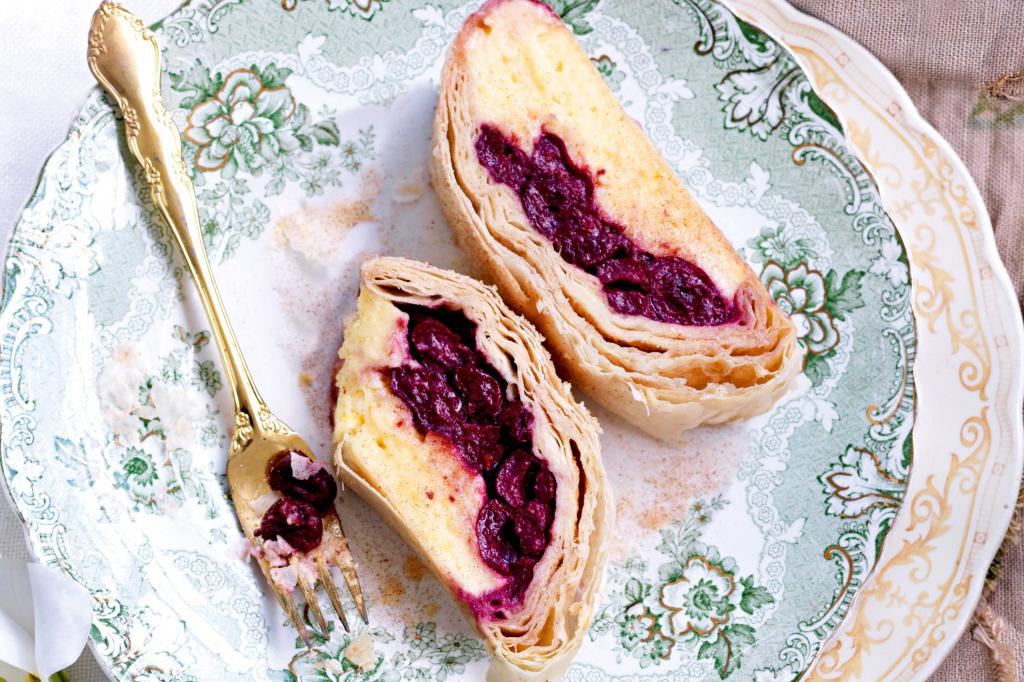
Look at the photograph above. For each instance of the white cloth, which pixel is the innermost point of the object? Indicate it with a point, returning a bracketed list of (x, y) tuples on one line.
[(45, 82), (44, 618)]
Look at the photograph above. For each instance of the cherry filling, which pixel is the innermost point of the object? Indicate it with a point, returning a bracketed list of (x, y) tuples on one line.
[(317, 488), (295, 521), (454, 392), (558, 199), (307, 495)]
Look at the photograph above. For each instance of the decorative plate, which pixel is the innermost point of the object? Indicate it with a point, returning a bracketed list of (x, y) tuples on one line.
[(761, 550)]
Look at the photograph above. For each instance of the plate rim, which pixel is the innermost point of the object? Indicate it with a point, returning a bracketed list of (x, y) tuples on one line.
[(739, 8), (1004, 290)]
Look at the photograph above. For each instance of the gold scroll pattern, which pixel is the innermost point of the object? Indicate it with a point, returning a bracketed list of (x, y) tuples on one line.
[(910, 583), (917, 589), (925, 604)]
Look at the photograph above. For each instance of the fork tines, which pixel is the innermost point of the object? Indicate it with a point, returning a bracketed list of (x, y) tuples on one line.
[(336, 544)]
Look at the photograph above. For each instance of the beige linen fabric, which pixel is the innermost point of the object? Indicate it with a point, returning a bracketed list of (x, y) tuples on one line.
[(962, 61)]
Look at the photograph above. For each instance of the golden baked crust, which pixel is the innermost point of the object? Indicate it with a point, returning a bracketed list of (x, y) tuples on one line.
[(380, 456), (515, 66)]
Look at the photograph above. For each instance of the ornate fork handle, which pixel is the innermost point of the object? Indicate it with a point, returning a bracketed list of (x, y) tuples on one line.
[(125, 58)]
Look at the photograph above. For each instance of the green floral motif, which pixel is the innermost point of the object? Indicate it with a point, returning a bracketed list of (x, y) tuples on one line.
[(767, 82), (364, 9), (801, 293), (250, 120), (780, 245), (74, 461), (177, 369), (892, 263), (227, 217), (749, 105), (574, 13), (635, 626), (109, 618), (245, 127), (139, 468), (814, 302), (156, 422), (63, 259), (697, 600), (861, 481), (152, 486), (702, 596), (607, 67), (428, 656)]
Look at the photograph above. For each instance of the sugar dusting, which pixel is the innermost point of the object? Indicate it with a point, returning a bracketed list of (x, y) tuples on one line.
[(414, 569), (393, 591), (317, 232), (654, 483), (316, 307), (316, 279)]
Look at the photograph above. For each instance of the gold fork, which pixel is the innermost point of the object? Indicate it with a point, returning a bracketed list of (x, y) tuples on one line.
[(125, 58)]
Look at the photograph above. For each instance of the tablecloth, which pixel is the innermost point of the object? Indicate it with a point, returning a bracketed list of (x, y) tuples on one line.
[(961, 61), (44, 85)]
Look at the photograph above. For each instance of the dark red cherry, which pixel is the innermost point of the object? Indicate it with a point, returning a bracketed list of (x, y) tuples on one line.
[(541, 511), (512, 477), (297, 522), (481, 391), (544, 486), (516, 422), (434, 403), (438, 344), (319, 489), (493, 526), (530, 533)]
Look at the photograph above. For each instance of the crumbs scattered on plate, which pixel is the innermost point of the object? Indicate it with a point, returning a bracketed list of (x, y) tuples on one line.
[(317, 232), (409, 188), (359, 652)]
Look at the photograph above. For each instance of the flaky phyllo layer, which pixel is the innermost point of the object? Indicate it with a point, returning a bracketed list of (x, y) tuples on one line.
[(408, 420), (586, 231)]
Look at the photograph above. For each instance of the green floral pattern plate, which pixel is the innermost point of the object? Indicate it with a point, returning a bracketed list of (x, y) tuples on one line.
[(307, 127)]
